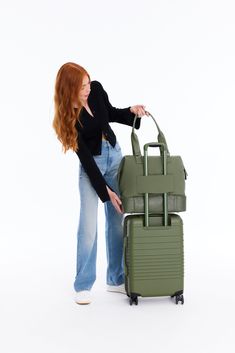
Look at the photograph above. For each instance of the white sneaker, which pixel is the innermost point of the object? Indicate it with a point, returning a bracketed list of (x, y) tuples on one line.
[(83, 297), (117, 289)]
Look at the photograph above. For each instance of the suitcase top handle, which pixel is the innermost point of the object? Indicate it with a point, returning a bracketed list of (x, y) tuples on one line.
[(135, 141)]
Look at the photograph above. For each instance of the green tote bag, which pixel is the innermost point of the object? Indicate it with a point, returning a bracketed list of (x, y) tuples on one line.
[(133, 184)]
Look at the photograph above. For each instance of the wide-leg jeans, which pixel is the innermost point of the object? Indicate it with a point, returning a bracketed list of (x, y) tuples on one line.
[(108, 163)]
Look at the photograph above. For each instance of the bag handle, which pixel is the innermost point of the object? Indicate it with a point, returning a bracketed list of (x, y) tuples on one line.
[(135, 141)]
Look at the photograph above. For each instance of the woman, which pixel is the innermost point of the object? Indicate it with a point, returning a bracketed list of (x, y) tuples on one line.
[(81, 121)]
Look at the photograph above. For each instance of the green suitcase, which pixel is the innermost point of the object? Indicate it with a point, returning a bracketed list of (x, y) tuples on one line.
[(153, 250)]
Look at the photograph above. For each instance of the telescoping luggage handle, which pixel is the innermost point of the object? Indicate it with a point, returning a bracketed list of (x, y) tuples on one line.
[(146, 195), (161, 143), (135, 142)]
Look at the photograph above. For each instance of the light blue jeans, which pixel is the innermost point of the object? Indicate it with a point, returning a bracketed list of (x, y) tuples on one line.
[(108, 163)]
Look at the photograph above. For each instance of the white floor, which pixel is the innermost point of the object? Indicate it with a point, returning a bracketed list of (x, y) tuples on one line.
[(186, 52), (38, 313)]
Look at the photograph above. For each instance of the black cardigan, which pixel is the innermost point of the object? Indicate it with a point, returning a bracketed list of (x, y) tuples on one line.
[(90, 133)]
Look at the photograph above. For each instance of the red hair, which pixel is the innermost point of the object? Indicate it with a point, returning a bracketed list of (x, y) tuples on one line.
[(67, 87)]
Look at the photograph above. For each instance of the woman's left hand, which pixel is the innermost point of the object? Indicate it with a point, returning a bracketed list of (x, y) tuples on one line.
[(139, 110)]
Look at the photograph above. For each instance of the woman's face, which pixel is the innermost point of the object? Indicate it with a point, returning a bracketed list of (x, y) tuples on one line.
[(85, 90)]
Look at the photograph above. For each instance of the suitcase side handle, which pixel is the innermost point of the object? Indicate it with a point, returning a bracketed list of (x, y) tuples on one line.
[(135, 141), (163, 148)]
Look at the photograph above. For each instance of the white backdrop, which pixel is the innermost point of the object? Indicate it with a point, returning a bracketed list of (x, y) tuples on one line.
[(175, 57)]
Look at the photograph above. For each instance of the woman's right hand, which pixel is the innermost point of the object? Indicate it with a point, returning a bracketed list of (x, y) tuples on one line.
[(117, 203)]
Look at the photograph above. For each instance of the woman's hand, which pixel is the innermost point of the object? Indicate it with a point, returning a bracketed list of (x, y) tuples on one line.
[(115, 200), (139, 110)]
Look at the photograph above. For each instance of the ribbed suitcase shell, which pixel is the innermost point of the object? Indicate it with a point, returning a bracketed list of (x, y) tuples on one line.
[(153, 256)]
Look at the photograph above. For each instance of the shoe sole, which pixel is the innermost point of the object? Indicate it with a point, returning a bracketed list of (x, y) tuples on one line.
[(82, 303)]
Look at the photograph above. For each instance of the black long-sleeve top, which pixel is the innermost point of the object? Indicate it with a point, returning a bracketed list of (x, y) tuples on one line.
[(90, 133)]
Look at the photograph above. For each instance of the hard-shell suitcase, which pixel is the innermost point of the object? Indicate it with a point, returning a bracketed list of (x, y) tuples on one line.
[(153, 257), (153, 250)]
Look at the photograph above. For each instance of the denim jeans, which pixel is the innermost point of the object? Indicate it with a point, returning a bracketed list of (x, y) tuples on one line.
[(108, 163)]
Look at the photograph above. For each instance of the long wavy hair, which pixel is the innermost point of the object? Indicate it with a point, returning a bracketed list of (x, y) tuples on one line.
[(67, 87)]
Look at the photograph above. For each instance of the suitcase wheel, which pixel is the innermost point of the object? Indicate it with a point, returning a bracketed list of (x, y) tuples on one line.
[(134, 299), (179, 298)]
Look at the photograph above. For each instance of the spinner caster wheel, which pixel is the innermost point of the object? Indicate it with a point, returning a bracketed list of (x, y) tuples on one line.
[(179, 298), (134, 300)]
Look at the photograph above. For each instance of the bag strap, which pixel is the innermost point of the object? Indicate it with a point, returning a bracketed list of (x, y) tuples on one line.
[(135, 141)]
